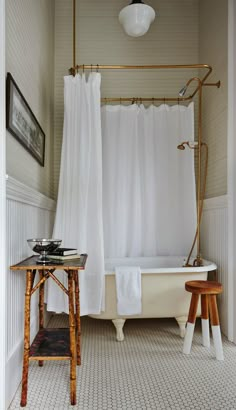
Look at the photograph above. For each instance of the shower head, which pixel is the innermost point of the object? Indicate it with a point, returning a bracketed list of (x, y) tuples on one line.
[(183, 91)]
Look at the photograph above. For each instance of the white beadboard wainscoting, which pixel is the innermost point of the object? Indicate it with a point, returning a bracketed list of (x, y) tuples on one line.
[(214, 246), (29, 214)]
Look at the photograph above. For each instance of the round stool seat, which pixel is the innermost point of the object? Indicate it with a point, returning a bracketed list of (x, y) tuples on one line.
[(204, 287)]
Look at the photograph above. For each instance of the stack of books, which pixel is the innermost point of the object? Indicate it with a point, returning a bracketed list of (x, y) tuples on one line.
[(63, 254)]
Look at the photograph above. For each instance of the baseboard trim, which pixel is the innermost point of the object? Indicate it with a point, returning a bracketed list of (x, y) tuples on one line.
[(14, 362), (14, 365)]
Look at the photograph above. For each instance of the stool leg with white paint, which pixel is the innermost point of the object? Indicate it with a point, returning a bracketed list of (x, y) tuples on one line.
[(215, 327), (190, 324), (205, 321)]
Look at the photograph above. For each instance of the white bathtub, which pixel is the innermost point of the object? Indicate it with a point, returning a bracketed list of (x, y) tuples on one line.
[(163, 291)]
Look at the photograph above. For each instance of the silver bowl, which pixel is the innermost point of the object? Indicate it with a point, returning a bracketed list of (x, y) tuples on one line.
[(44, 247)]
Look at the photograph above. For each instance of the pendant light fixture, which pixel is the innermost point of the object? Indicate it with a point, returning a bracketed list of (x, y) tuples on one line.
[(136, 18)]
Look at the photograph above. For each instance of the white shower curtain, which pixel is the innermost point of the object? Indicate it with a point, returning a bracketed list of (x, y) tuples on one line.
[(149, 200), (79, 206)]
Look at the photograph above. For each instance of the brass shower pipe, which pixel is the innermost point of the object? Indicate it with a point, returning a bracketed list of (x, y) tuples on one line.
[(74, 33), (199, 81), (195, 147), (198, 260)]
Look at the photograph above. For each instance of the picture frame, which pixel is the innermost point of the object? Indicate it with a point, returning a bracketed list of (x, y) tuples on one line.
[(22, 123)]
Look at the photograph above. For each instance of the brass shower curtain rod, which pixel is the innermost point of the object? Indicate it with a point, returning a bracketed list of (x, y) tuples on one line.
[(98, 67), (140, 100)]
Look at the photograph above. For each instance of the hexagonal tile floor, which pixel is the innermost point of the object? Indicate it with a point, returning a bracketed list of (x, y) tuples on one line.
[(145, 371)]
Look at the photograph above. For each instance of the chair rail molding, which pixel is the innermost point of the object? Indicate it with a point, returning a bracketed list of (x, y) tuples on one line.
[(2, 207), (215, 203), (17, 191), (231, 171)]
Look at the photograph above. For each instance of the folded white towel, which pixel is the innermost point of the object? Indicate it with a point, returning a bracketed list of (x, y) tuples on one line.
[(128, 290)]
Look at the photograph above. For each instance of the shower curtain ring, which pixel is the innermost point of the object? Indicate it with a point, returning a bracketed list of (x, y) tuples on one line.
[(83, 68), (97, 68), (77, 69)]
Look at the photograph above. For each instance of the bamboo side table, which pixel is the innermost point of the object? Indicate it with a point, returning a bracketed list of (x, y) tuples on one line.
[(52, 344)]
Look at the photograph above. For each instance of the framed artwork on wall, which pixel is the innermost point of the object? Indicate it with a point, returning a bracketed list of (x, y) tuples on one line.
[(21, 122)]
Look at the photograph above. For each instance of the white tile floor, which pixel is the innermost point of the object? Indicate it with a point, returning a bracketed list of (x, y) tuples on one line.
[(146, 371)]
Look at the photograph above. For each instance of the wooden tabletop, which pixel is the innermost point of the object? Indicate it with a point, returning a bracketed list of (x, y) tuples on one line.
[(31, 263)]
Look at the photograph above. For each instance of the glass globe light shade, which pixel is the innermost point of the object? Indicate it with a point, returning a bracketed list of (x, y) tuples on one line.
[(136, 18)]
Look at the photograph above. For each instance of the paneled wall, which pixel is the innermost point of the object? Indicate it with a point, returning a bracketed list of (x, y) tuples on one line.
[(30, 60), (214, 242), (213, 46), (30, 211), (29, 214), (172, 39)]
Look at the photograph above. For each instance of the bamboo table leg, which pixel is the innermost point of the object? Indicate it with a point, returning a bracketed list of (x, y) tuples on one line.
[(41, 308), (29, 284), (72, 338), (77, 307)]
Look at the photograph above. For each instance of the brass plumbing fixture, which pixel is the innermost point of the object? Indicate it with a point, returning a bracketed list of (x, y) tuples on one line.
[(190, 144), (182, 92), (194, 145)]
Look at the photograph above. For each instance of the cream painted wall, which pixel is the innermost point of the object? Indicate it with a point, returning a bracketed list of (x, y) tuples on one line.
[(213, 46), (30, 60), (172, 39)]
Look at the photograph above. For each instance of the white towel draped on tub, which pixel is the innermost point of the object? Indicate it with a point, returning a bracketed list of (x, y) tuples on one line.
[(128, 290)]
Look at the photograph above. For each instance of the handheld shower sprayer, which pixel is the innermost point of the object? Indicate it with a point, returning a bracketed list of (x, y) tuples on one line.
[(181, 146), (190, 144)]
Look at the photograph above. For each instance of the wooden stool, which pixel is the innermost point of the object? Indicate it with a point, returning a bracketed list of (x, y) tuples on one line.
[(208, 291)]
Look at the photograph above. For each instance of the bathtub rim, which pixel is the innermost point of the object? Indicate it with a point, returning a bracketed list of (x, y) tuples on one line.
[(207, 265)]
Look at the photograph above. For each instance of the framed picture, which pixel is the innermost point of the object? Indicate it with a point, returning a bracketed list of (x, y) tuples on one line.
[(22, 123)]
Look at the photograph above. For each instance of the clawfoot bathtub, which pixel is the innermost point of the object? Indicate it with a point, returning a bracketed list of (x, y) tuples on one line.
[(163, 290)]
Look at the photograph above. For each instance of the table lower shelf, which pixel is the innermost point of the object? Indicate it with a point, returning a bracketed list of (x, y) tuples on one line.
[(51, 344)]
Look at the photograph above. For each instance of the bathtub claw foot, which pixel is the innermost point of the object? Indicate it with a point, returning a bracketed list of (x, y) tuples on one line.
[(182, 320), (119, 323)]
